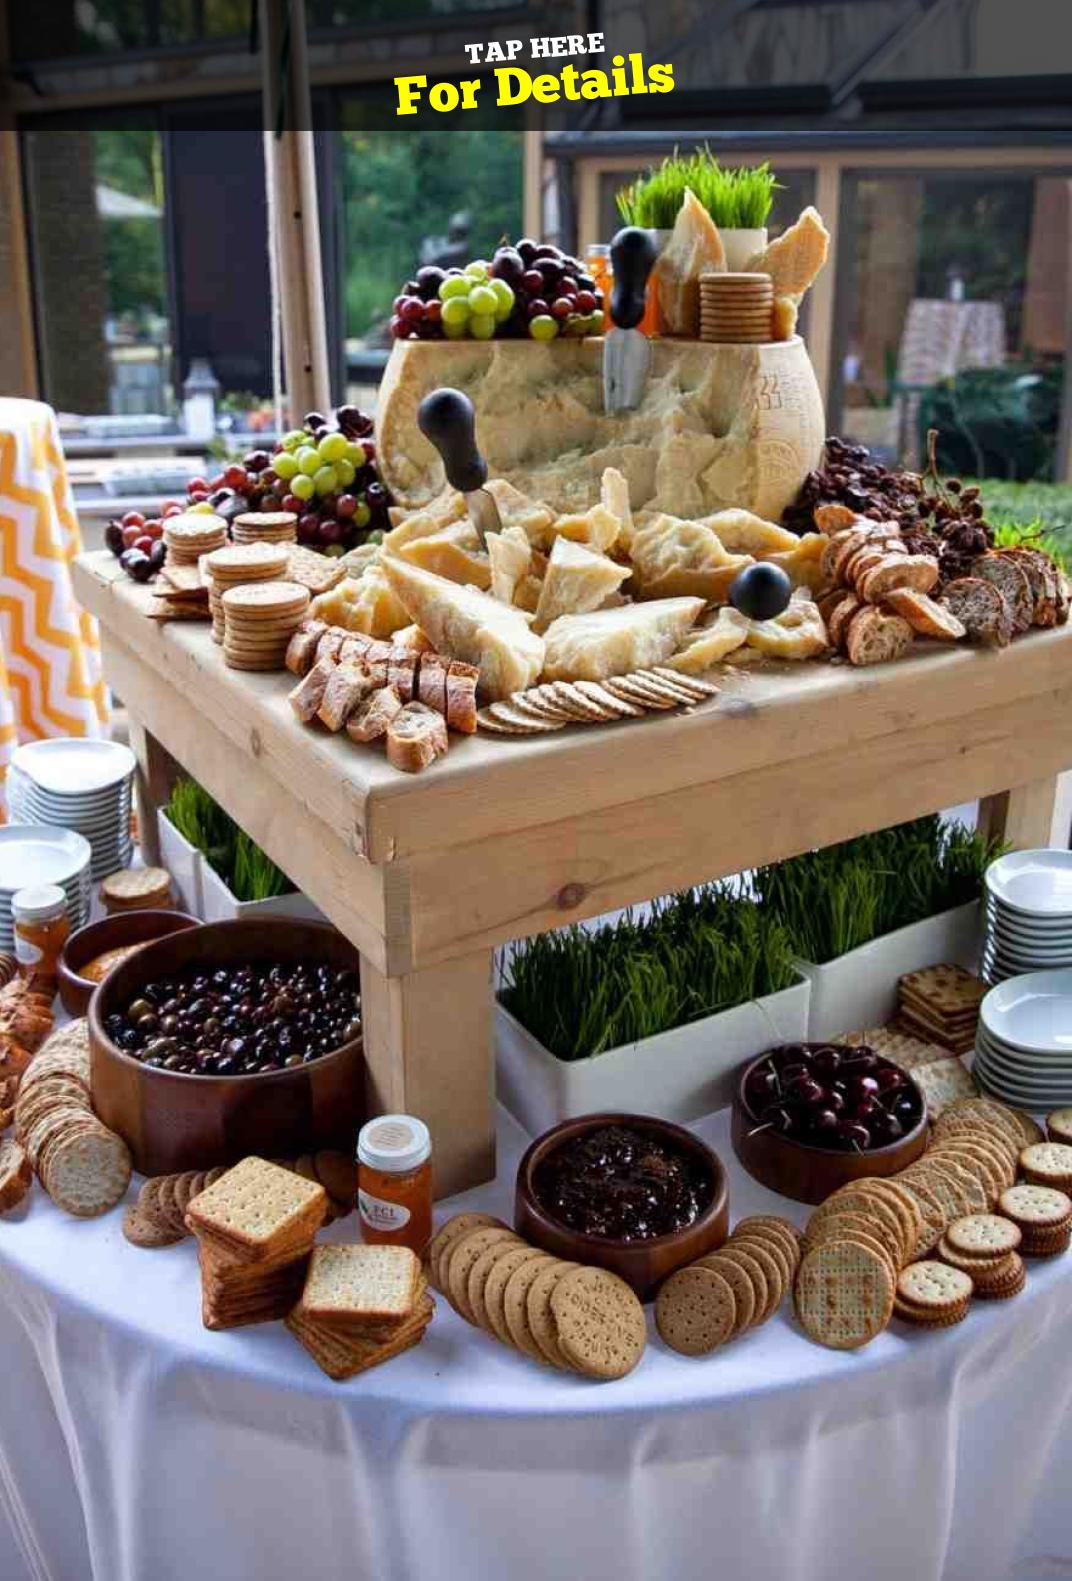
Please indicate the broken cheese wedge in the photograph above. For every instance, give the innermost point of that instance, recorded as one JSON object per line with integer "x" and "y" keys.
{"x": 453, "y": 552}
{"x": 577, "y": 580}
{"x": 510, "y": 557}
{"x": 598, "y": 527}
{"x": 614, "y": 497}
{"x": 704, "y": 649}
{"x": 361, "y": 603}
{"x": 518, "y": 510}
{"x": 609, "y": 642}
{"x": 464, "y": 623}
{"x": 799, "y": 632}
{"x": 795, "y": 257}
{"x": 742, "y": 532}
{"x": 674, "y": 558}
{"x": 447, "y": 507}
{"x": 694, "y": 248}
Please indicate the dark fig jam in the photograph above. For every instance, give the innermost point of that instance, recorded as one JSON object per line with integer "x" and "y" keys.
{"x": 625, "y": 1184}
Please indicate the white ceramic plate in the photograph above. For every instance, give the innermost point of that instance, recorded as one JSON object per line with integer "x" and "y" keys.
{"x": 1030, "y": 960}
{"x": 1029, "y": 1067}
{"x": 1031, "y": 1012}
{"x": 39, "y": 854}
{"x": 1033, "y": 882}
{"x": 71, "y": 766}
{"x": 1032, "y": 928}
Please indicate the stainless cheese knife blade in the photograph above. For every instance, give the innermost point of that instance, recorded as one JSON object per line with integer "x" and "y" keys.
{"x": 446, "y": 417}
{"x": 626, "y": 351}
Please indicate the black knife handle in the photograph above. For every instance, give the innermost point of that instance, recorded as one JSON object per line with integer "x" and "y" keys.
{"x": 632, "y": 256}
{"x": 447, "y": 418}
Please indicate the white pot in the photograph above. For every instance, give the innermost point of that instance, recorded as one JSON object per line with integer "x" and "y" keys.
{"x": 676, "y": 1075}
{"x": 859, "y": 990}
{"x": 184, "y": 862}
{"x": 221, "y": 905}
{"x": 742, "y": 246}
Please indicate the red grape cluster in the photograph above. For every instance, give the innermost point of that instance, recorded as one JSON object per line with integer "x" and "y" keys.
{"x": 846, "y": 1099}
{"x": 533, "y": 290}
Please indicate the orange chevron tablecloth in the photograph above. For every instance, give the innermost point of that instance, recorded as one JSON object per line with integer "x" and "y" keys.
{"x": 50, "y": 669}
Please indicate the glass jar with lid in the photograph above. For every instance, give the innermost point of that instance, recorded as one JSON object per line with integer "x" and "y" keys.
{"x": 41, "y": 926}
{"x": 394, "y": 1182}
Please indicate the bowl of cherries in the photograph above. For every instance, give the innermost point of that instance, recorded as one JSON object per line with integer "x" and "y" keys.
{"x": 810, "y": 1117}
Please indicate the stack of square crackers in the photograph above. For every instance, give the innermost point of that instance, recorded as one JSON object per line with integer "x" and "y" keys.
{"x": 940, "y": 1004}
{"x": 578, "y": 1319}
{"x": 255, "y": 1227}
{"x": 361, "y": 1305}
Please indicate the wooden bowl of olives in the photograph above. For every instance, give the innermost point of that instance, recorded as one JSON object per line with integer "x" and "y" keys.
{"x": 228, "y": 1039}
{"x": 810, "y": 1117}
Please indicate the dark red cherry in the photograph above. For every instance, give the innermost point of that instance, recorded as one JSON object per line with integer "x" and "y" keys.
{"x": 890, "y": 1079}
{"x": 806, "y": 1090}
{"x": 862, "y": 1087}
{"x": 885, "y": 1128}
{"x": 824, "y": 1125}
{"x": 865, "y": 1110}
{"x": 852, "y": 1137}
{"x": 826, "y": 1062}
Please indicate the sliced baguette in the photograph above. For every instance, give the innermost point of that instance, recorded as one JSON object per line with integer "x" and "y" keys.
{"x": 838, "y": 623}
{"x": 981, "y": 609}
{"x": 301, "y": 649}
{"x": 432, "y": 682}
{"x": 347, "y": 685}
{"x": 402, "y": 672}
{"x": 371, "y": 717}
{"x": 460, "y": 711}
{"x": 416, "y": 736}
{"x": 926, "y": 617}
{"x": 873, "y": 637}
{"x": 1014, "y": 585}
{"x": 306, "y": 697}
{"x": 330, "y": 644}
{"x": 917, "y": 571}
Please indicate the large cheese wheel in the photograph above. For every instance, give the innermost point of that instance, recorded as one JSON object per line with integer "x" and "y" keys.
{"x": 720, "y": 425}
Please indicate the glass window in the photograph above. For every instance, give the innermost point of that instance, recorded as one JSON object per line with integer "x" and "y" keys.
{"x": 952, "y": 314}
{"x": 412, "y": 198}
{"x": 96, "y": 209}
{"x": 66, "y": 28}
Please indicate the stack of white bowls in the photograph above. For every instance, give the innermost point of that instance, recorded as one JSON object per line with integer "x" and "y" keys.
{"x": 31, "y": 855}
{"x": 84, "y": 785}
{"x": 1023, "y": 1049}
{"x": 1028, "y": 912}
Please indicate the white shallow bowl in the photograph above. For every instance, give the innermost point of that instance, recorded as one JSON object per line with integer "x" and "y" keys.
{"x": 1025, "y": 921}
{"x": 40, "y": 854}
{"x": 1034, "y": 883}
{"x": 1029, "y": 960}
{"x": 1031, "y": 1012}
{"x": 72, "y": 765}
{"x": 1026, "y": 1067}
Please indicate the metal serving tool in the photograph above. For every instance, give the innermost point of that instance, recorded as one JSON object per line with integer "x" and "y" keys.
{"x": 446, "y": 417}
{"x": 626, "y": 351}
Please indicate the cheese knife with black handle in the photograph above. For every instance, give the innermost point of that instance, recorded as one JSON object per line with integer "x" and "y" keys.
{"x": 626, "y": 350}
{"x": 446, "y": 417}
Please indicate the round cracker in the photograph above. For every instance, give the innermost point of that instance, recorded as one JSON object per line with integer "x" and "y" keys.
{"x": 844, "y": 1295}
{"x": 695, "y": 1311}
{"x": 780, "y": 1230}
{"x": 478, "y": 1276}
{"x": 456, "y": 1265}
{"x": 983, "y": 1235}
{"x": 141, "y": 1230}
{"x": 776, "y": 1251}
{"x": 89, "y": 1173}
{"x": 753, "y": 1268}
{"x": 450, "y": 1231}
{"x": 744, "y": 1291}
{"x": 501, "y": 1272}
{"x": 1036, "y": 1208}
{"x": 515, "y": 1308}
{"x": 541, "y": 1319}
{"x": 934, "y": 1286}
{"x": 600, "y": 1322}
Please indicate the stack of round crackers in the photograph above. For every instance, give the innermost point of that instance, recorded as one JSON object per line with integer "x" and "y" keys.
{"x": 192, "y": 534}
{"x": 84, "y": 1167}
{"x": 736, "y": 308}
{"x": 579, "y": 1319}
{"x": 933, "y": 1295}
{"x": 136, "y": 889}
{"x": 985, "y": 1247}
{"x": 1043, "y": 1215}
{"x": 259, "y": 619}
{"x": 722, "y": 1295}
{"x": 265, "y": 527}
{"x": 1048, "y": 1164}
{"x": 236, "y": 565}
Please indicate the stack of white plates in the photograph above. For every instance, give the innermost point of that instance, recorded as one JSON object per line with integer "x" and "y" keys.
{"x": 31, "y": 855}
{"x": 1028, "y": 914}
{"x": 1023, "y": 1050}
{"x": 71, "y": 783}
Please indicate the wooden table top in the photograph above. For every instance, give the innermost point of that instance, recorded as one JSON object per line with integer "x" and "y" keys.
{"x": 489, "y": 786}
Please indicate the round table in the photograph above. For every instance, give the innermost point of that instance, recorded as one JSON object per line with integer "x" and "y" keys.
{"x": 137, "y": 1446}
{"x": 50, "y": 671}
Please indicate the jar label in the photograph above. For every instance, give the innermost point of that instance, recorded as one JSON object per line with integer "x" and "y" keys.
{"x": 27, "y": 954}
{"x": 381, "y": 1215}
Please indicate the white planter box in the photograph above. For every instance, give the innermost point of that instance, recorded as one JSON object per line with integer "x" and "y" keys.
{"x": 742, "y": 245}
{"x": 859, "y": 989}
{"x": 676, "y": 1075}
{"x": 221, "y": 906}
{"x": 183, "y": 861}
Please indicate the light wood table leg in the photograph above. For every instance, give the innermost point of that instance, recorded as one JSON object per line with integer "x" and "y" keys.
{"x": 429, "y": 1051}
{"x": 1036, "y": 814}
{"x": 153, "y": 781}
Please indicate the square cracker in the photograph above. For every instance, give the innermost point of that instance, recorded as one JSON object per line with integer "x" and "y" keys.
{"x": 256, "y": 1206}
{"x": 356, "y": 1284}
{"x": 943, "y": 1082}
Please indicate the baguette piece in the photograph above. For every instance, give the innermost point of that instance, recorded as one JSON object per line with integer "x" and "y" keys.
{"x": 331, "y": 643}
{"x": 301, "y": 649}
{"x": 402, "y": 672}
{"x": 378, "y": 660}
{"x": 416, "y": 736}
{"x": 306, "y": 697}
{"x": 461, "y": 687}
{"x": 371, "y": 717}
{"x": 1014, "y": 585}
{"x": 1043, "y": 580}
{"x": 348, "y": 684}
{"x": 924, "y": 615}
{"x": 981, "y": 609}
{"x": 16, "y": 1174}
{"x": 874, "y": 637}
{"x": 917, "y": 571}
{"x": 837, "y": 622}
{"x": 432, "y": 682}
{"x": 353, "y": 648}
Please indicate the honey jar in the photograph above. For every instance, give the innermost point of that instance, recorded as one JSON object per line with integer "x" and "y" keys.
{"x": 394, "y": 1182}
{"x": 41, "y": 929}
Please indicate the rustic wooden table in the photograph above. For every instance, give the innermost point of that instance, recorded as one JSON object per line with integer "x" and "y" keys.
{"x": 501, "y": 839}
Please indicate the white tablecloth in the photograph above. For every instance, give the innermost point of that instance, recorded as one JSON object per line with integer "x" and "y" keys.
{"x": 136, "y": 1446}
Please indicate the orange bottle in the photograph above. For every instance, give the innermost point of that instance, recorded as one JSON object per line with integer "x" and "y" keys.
{"x": 41, "y": 929}
{"x": 597, "y": 262}
{"x": 394, "y": 1182}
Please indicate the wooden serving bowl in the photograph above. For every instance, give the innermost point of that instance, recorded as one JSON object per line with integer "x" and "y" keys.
{"x": 173, "y": 1121}
{"x": 110, "y": 933}
{"x": 807, "y": 1173}
{"x": 642, "y": 1264}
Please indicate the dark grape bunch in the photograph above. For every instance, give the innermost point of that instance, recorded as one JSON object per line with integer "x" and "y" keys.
{"x": 532, "y": 290}
{"x": 323, "y": 473}
{"x": 238, "y": 1020}
{"x": 844, "y": 1099}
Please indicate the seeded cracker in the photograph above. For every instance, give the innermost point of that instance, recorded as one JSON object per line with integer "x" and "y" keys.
{"x": 844, "y": 1295}
{"x": 600, "y": 1322}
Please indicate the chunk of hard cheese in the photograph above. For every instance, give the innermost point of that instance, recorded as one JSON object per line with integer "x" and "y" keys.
{"x": 464, "y": 623}
{"x": 614, "y": 641}
{"x": 510, "y": 557}
{"x": 364, "y": 603}
{"x": 453, "y": 552}
{"x": 674, "y": 558}
{"x": 694, "y": 248}
{"x": 577, "y": 580}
